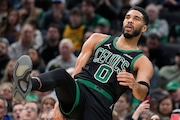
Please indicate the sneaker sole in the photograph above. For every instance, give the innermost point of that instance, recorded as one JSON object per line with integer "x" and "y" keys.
{"x": 21, "y": 75}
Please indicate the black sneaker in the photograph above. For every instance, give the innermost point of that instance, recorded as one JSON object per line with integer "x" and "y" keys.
{"x": 21, "y": 75}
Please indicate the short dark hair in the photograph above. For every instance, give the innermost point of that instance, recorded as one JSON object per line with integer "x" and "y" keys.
{"x": 75, "y": 11}
{"x": 91, "y": 2}
{"x": 141, "y": 10}
{"x": 54, "y": 25}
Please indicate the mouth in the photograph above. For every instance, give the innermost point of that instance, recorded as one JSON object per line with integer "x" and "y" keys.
{"x": 128, "y": 28}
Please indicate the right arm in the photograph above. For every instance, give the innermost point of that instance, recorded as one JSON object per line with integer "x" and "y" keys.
{"x": 87, "y": 50}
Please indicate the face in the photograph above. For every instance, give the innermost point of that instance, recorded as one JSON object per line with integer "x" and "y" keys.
{"x": 133, "y": 24}
{"x": 65, "y": 51}
{"x": 166, "y": 107}
{"x": 75, "y": 19}
{"x": 13, "y": 17}
{"x": 102, "y": 29}
{"x": 30, "y": 111}
{"x": 53, "y": 34}
{"x": 152, "y": 43}
{"x": 153, "y": 12}
{"x": 177, "y": 60}
{"x": 121, "y": 104}
{"x": 57, "y": 15}
{"x": 27, "y": 33}
{"x": 145, "y": 116}
{"x": 6, "y": 92}
{"x": 3, "y": 110}
{"x": 145, "y": 50}
{"x": 48, "y": 104}
{"x": 155, "y": 117}
{"x": 10, "y": 68}
{"x": 17, "y": 109}
{"x": 3, "y": 49}
{"x": 175, "y": 95}
{"x": 28, "y": 4}
{"x": 33, "y": 55}
{"x": 87, "y": 8}
{"x": 3, "y": 6}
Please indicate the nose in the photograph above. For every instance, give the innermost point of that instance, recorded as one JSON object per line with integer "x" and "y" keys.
{"x": 130, "y": 20}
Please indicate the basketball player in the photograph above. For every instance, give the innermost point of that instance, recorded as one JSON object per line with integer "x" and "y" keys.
{"x": 106, "y": 68}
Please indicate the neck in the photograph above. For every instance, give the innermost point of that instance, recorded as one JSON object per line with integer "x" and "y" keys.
{"x": 122, "y": 114}
{"x": 128, "y": 44}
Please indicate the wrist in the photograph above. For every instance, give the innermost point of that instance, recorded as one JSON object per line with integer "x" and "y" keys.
{"x": 135, "y": 86}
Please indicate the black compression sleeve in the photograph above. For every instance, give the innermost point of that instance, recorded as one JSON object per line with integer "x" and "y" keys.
{"x": 146, "y": 84}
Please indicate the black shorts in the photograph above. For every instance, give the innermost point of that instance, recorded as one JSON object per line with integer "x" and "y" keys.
{"x": 92, "y": 103}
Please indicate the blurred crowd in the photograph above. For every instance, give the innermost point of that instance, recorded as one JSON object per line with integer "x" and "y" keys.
{"x": 52, "y": 33}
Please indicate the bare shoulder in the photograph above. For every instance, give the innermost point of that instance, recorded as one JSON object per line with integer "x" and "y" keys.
{"x": 96, "y": 38}
{"x": 144, "y": 61}
{"x": 144, "y": 64}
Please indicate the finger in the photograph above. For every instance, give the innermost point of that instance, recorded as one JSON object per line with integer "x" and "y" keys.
{"x": 122, "y": 83}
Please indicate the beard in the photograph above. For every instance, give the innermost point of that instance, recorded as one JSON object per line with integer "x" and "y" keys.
{"x": 134, "y": 34}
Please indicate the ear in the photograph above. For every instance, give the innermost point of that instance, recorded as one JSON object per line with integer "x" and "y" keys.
{"x": 144, "y": 28}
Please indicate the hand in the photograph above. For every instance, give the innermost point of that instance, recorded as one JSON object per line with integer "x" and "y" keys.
{"x": 143, "y": 107}
{"x": 126, "y": 79}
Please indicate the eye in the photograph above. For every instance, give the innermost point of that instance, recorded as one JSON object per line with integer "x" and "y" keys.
{"x": 127, "y": 17}
{"x": 137, "y": 18}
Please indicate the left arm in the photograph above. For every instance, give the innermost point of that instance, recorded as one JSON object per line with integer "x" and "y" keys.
{"x": 144, "y": 70}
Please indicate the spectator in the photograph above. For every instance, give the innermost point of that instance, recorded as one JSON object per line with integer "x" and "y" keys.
{"x": 47, "y": 103}
{"x": 156, "y": 52}
{"x": 29, "y": 11}
{"x": 6, "y": 90}
{"x": 25, "y": 42}
{"x": 109, "y": 9}
{"x": 173, "y": 87}
{"x": 8, "y": 74}
{"x": 4, "y": 8}
{"x": 103, "y": 26}
{"x": 30, "y": 111}
{"x": 156, "y": 117}
{"x": 156, "y": 25}
{"x": 38, "y": 39}
{"x": 50, "y": 48}
{"x": 174, "y": 34}
{"x": 171, "y": 5}
{"x": 90, "y": 18}
{"x": 17, "y": 109}
{"x": 3, "y": 109}
{"x": 122, "y": 106}
{"x": 4, "y": 58}
{"x": 38, "y": 63}
{"x": 58, "y": 14}
{"x": 75, "y": 29}
{"x": 141, "y": 113}
{"x": 66, "y": 58}
{"x": 155, "y": 96}
{"x": 165, "y": 107}
{"x": 170, "y": 72}
{"x": 10, "y": 29}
